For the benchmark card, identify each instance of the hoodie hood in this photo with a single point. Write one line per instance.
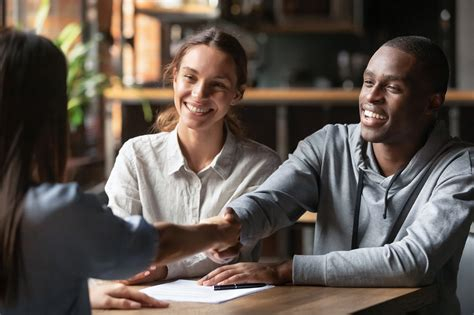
(365, 160)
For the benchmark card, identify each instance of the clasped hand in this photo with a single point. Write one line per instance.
(230, 248)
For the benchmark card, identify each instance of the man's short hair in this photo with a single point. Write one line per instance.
(430, 56)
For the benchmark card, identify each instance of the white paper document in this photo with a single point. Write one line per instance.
(190, 291)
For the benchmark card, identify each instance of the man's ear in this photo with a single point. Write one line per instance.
(436, 100)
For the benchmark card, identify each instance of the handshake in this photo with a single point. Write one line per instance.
(227, 244)
(217, 236)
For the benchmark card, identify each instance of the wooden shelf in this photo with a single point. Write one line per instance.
(185, 11)
(271, 96)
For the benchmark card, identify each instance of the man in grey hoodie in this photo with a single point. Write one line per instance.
(394, 194)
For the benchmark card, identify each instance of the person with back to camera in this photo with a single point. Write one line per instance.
(54, 237)
(394, 194)
(200, 160)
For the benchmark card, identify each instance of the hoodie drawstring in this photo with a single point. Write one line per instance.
(360, 186)
(385, 199)
(355, 226)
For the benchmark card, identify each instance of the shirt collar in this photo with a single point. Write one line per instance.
(175, 158)
(221, 164)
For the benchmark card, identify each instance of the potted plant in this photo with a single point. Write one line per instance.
(84, 82)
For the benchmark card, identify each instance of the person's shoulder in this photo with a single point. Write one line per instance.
(334, 132)
(50, 201)
(258, 151)
(145, 144)
(50, 195)
(459, 158)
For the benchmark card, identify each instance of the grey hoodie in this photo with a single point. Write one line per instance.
(428, 208)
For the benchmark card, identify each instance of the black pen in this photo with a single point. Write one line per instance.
(238, 286)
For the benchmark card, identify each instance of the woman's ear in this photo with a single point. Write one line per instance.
(238, 95)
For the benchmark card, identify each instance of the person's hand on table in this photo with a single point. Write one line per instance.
(114, 295)
(279, 273)
(153, 273)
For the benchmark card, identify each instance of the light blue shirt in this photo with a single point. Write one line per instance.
(67, 237)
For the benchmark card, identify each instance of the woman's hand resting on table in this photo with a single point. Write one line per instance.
(114, 295)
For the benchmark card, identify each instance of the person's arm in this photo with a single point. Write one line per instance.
(122, 185)
(434, 237)
(438, 232)
(290, 191)
(178, 241)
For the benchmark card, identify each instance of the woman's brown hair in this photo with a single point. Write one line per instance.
(33, 136)
(213, 37)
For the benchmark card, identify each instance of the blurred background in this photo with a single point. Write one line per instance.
(318, 46)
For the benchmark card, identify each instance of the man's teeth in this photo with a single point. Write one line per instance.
(195, 109)
(368, 113)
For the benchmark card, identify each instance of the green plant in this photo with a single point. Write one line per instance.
(84, 83)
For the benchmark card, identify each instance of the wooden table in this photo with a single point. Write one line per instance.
(306, 300)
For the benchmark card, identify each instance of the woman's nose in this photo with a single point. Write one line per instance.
(199, 91)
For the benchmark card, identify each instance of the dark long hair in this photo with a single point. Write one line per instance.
(224, 42)
(33, 136)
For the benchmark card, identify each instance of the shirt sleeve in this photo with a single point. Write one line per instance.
(122, 186)
(290, 191)
(434, 237)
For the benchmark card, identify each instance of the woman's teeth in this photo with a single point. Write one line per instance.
(368, 113)
(199, 110)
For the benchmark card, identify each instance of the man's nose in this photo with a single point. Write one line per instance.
(375, 94)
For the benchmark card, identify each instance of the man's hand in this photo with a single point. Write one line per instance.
(224, 256)
(229, 226)
(250, 272)
(113, 295)
(153, 273)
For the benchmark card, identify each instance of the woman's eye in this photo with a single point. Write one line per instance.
(188, 77)
(220, 85)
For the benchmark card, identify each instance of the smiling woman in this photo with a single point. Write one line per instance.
(200, 161)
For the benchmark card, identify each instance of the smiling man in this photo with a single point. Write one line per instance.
(394, 194)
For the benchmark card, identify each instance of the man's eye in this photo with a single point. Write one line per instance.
(393, 88)
(368, 83)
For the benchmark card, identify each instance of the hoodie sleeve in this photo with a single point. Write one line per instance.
(434, 239)
(290, 191)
